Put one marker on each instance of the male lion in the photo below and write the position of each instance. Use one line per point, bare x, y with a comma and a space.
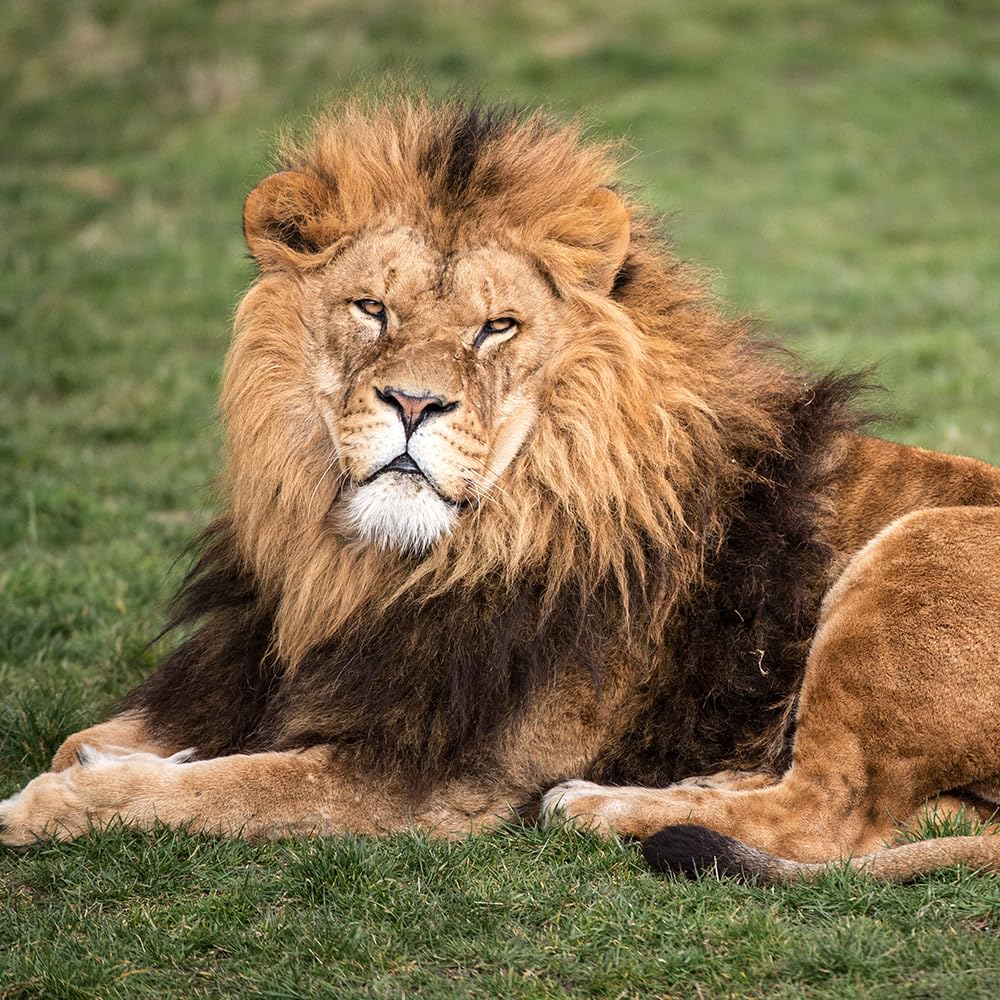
510, 500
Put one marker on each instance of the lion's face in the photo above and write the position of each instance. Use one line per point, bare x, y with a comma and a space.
468, 363
427, 375
422, 277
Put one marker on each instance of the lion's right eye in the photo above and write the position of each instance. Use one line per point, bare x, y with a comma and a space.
371, 307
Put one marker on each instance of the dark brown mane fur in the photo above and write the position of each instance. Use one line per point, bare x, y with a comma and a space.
727, 687
424, 689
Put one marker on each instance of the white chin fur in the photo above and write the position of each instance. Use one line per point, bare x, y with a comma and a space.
401, 512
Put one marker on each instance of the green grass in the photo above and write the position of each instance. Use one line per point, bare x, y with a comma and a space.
521, 914
836, 164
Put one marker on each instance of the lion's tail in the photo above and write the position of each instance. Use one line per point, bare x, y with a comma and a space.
691, 850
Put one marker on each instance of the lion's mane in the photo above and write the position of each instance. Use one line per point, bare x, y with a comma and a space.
664, 512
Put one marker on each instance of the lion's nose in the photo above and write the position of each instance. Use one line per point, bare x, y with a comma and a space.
413, 408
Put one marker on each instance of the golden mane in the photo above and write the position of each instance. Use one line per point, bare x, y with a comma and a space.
640, 442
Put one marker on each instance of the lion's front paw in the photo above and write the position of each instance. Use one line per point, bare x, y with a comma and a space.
48, 807
67, 804
582, 804
612, 810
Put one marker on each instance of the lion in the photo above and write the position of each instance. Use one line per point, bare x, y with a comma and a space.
519, 523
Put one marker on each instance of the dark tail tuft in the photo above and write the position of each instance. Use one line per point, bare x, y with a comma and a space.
690, 850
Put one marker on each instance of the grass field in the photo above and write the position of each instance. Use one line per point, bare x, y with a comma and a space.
838, 164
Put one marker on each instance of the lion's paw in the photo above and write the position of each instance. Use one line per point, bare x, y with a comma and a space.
611, 810
46, 807
88, 756
65, 805
581, 804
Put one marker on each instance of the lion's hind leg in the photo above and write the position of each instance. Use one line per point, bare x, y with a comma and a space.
807, 816
636, 811
784, 831
897, 707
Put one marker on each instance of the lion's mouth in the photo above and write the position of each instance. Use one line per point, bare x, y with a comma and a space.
399, 507
401, 463
406, 466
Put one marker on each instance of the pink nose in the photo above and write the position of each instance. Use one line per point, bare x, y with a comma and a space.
413, 409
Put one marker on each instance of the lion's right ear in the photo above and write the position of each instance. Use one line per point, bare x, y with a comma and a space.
288, 218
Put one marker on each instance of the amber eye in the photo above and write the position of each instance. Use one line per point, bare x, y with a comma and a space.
371, 307
504, 324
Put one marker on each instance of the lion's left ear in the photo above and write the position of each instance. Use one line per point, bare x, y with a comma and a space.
588, 244
611, 234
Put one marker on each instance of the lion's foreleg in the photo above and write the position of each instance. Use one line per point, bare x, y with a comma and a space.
122, 734
798, 817
269, 795
731, 781
254, 795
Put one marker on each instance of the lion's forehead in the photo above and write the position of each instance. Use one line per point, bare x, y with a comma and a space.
409, 270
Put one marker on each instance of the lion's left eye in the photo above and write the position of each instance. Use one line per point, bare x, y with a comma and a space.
503, 324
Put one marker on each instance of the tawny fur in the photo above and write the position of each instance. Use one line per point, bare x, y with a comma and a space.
644, 398
610, 565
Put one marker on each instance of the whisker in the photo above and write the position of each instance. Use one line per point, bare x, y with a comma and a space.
319, 482
483, 490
